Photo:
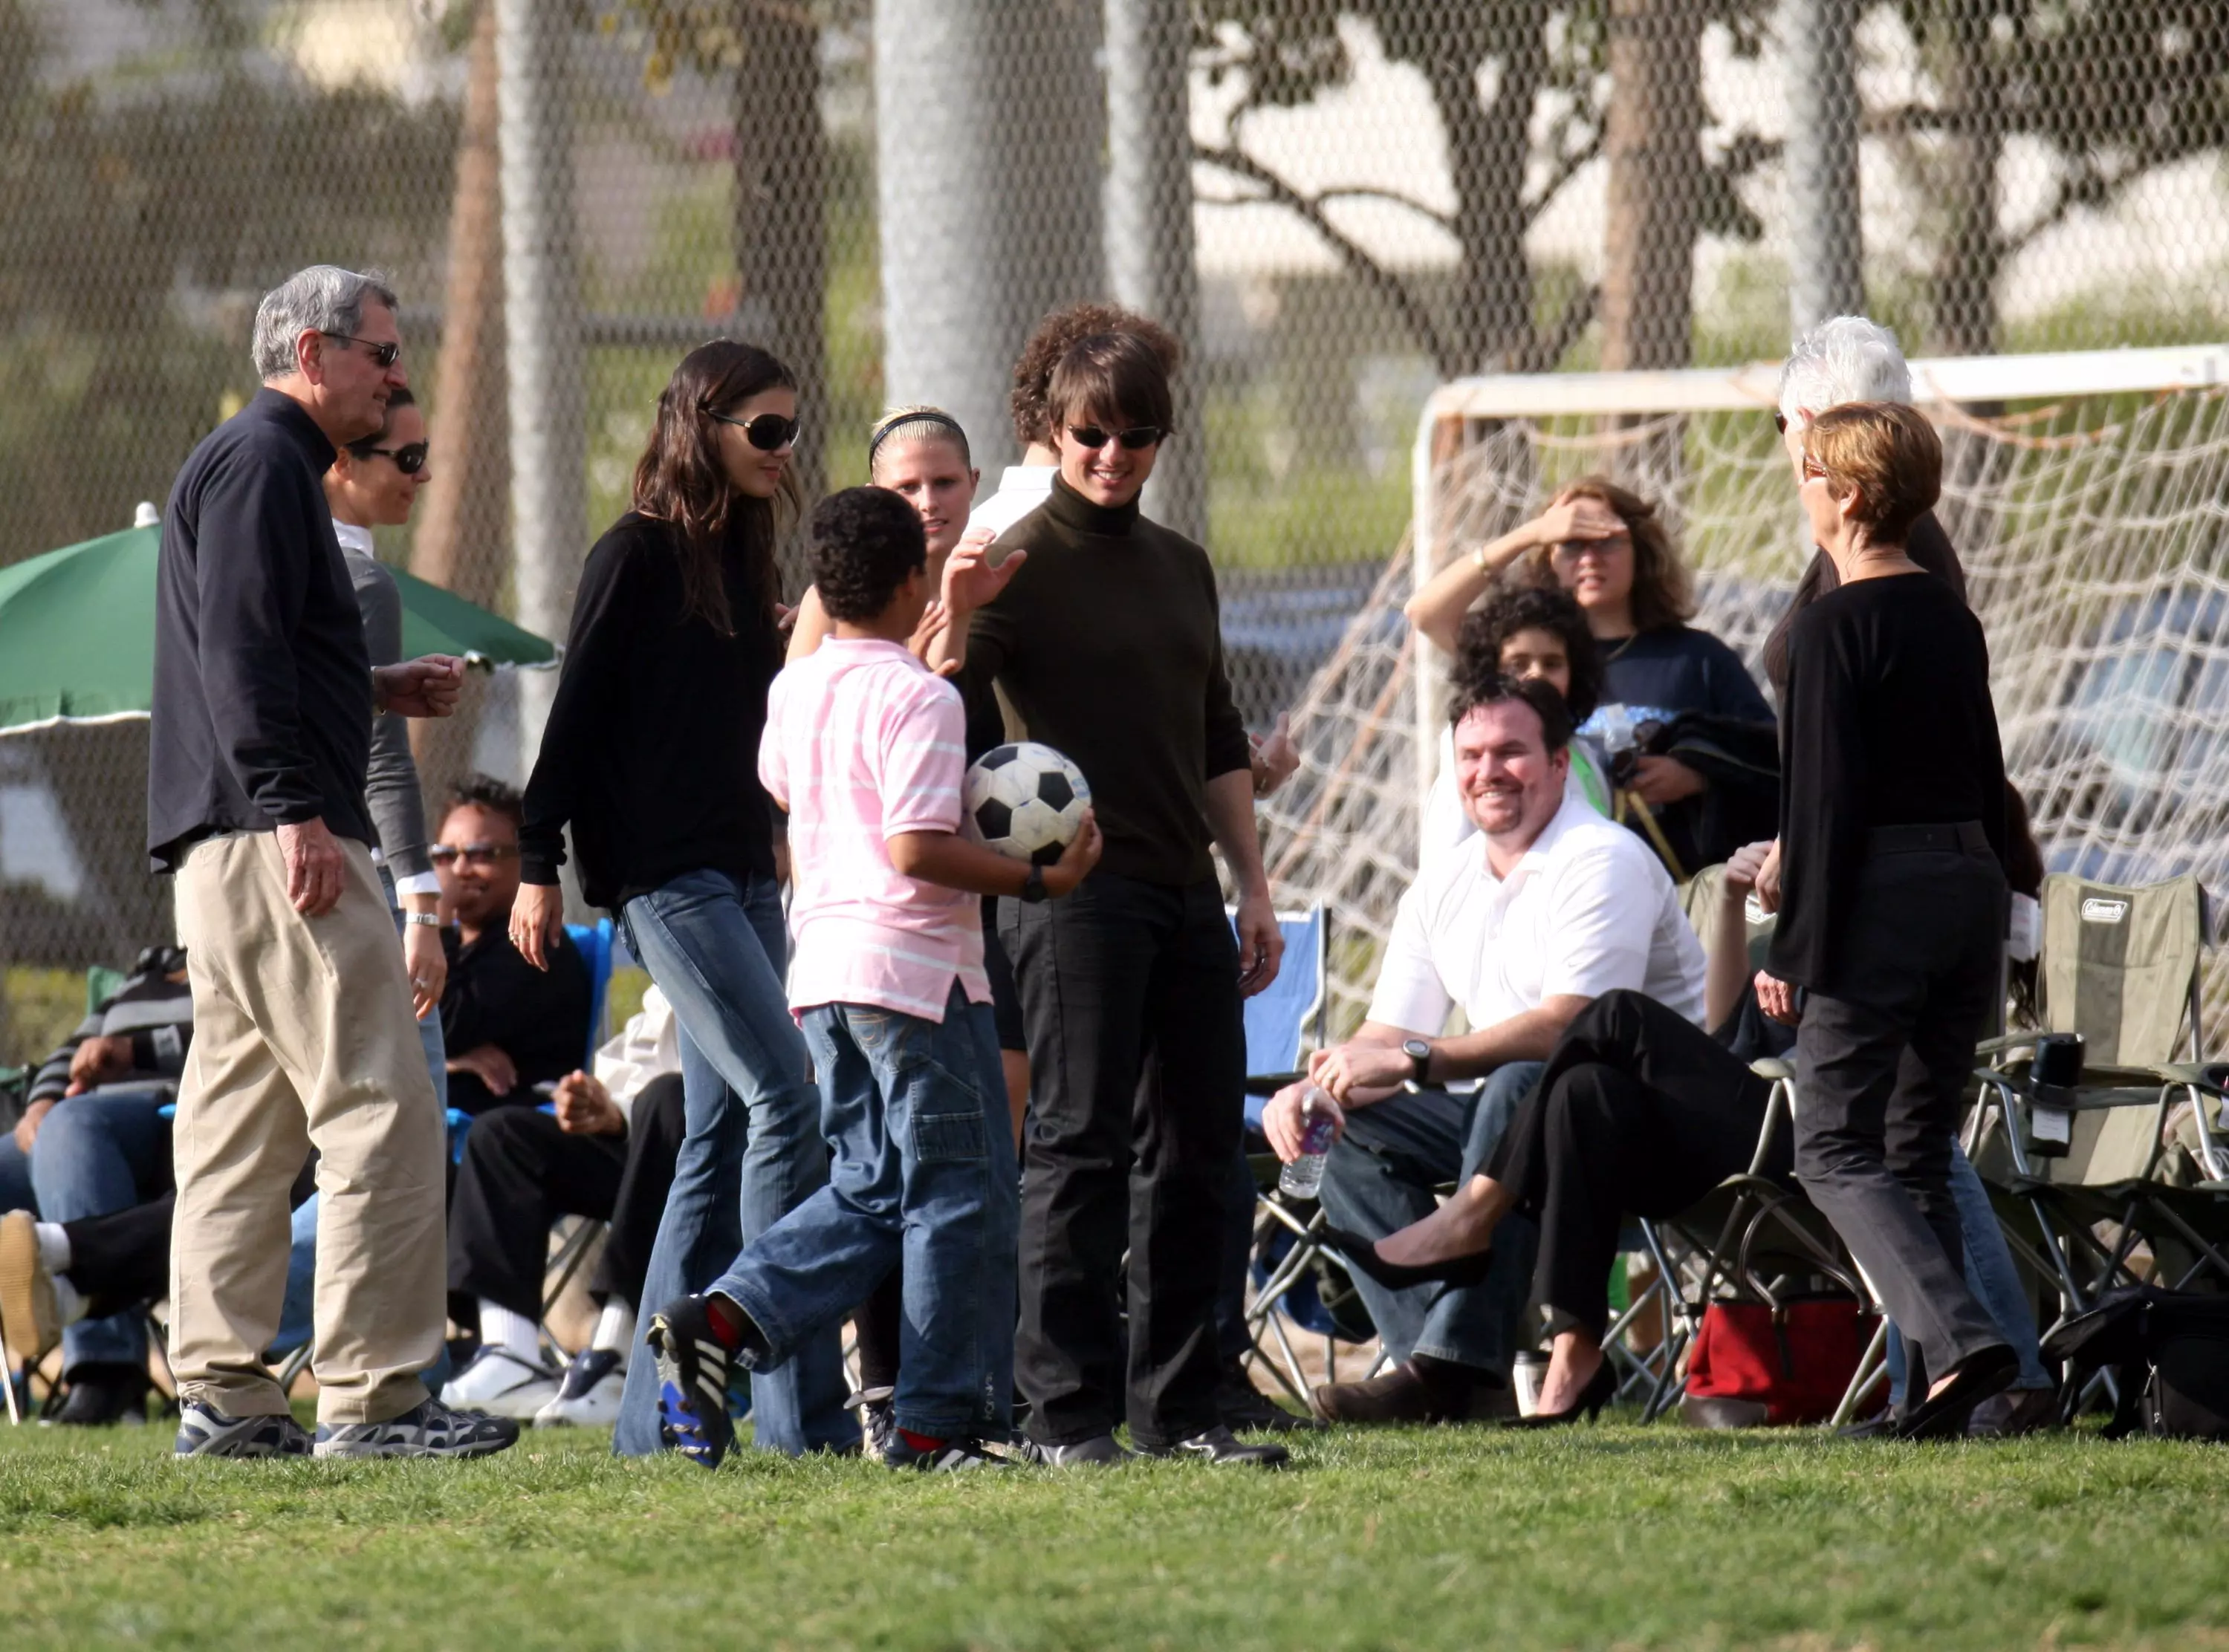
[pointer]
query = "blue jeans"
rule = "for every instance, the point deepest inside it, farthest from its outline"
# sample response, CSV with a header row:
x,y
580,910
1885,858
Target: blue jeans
x,y
96,1154
15,1191
1379,1178
753,1153
924,1171
1990,1276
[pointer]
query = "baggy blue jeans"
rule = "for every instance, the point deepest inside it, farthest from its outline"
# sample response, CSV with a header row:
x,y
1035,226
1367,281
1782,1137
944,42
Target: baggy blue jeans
x,y
924,1170
98,1153
753,1153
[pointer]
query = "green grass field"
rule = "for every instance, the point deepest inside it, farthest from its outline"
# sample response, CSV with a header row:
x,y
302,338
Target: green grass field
x,y
1615,1537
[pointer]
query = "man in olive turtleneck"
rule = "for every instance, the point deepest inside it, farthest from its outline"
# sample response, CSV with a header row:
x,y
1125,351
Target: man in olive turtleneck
x,y
1106,643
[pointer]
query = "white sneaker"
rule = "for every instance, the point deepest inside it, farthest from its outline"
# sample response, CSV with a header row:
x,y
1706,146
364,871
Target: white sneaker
x,y
589,1396
500,1384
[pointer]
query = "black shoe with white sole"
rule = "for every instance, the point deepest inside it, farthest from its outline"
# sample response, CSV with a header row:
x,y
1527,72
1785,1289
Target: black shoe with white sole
x,y
694,1365
204,1431
428,1429
1220,1446
1099,1452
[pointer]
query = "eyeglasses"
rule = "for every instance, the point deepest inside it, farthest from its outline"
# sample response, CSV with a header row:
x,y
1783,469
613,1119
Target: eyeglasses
x,y
1137,437
482,855
769,433
1780,421
409,458
384,355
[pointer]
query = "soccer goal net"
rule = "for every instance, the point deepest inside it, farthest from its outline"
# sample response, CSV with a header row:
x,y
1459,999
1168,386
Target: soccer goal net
x,y
2087,494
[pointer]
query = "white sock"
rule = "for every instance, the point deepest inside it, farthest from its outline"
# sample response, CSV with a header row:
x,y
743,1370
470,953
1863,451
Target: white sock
x,y
53,1247
71,1305
513,1333
616,1330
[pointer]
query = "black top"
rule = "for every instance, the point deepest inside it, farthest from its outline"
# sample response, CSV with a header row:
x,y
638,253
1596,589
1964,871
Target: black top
x,y
1889,723
651,750
494,996
1108,644
262,710
151,1009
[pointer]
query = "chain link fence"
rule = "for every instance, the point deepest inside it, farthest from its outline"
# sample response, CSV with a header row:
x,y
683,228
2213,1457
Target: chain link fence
x,y
1337,206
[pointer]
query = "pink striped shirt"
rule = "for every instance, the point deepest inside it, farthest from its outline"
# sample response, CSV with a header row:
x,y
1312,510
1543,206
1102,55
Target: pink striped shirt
x,y
864,742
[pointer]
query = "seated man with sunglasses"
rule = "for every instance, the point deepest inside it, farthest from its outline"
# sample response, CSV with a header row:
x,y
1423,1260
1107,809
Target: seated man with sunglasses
x,y
509,1027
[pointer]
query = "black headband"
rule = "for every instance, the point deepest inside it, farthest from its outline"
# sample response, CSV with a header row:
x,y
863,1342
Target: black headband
x,y
926,416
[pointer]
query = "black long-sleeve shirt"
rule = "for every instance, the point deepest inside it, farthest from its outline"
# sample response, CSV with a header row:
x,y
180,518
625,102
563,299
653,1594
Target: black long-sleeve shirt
x,y
1888,722
263,700
1108,642
650,753
539,1018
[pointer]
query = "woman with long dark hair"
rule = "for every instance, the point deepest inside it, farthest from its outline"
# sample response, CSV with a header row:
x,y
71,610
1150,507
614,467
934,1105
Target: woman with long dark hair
x,y
650,757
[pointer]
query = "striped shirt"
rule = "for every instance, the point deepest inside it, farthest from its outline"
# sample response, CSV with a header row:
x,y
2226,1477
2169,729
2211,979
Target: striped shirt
x,y
863,742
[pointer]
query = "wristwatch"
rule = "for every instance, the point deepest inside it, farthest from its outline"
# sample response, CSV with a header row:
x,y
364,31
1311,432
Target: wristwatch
x,y
1419,1051
431,919
1033,887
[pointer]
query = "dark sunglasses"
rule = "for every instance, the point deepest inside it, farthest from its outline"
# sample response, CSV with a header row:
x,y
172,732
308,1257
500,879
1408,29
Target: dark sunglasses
x,y
769,433
1132,439
476,854
384,355
409,458
1780,422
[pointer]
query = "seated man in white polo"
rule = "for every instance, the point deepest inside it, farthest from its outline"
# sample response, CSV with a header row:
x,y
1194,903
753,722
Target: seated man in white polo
x,y
1548,907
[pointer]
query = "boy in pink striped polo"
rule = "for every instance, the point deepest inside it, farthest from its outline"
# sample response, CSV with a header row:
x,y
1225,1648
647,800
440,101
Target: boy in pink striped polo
x,y
864,747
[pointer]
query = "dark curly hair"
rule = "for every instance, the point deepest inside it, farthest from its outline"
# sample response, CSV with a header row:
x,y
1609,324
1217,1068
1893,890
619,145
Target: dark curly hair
x,y
1493,689
1487,630
485,792
1061,332
866,542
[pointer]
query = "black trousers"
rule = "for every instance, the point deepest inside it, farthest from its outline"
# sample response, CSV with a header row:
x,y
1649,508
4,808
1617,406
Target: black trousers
x,y
521,1173
1882,1060
1137,1070
122,1260
1639,1113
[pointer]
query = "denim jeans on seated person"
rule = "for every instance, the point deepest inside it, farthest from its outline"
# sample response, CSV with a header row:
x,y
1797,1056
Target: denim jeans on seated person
x,y
1990,1275
924,1172
716,946
15,1191
96,1154
1380,1177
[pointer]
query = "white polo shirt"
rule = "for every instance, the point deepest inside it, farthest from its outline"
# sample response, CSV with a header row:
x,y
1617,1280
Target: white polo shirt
x,y
1022,488
1587,910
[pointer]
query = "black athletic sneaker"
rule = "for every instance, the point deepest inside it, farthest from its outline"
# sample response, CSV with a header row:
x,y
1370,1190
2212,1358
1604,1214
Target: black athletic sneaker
x,y
693,1368
954,1456
204,1431
428,1429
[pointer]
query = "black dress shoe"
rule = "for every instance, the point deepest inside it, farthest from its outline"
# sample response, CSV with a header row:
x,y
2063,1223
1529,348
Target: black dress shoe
x,y
1247,1410
1358,1251
101,1395
1220,1446
1943,1414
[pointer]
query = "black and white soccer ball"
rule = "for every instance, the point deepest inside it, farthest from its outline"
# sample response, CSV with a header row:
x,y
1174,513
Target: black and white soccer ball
x,y
1026,801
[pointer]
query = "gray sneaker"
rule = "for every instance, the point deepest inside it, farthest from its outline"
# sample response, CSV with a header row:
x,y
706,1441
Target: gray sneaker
x,y
204,1433
429,1428
1100,1452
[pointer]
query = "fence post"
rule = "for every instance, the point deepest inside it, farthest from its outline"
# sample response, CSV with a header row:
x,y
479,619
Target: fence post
x,y
1825,274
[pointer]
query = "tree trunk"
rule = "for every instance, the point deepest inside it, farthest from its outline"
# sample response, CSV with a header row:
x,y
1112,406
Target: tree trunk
x,y
464,520
1489,148
1653,140
780,219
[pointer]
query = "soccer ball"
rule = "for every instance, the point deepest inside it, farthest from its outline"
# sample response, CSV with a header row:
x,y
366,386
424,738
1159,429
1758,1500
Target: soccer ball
x,y
1026,801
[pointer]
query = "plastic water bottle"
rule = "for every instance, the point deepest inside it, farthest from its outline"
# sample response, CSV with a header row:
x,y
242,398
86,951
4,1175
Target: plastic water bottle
x,y
1320,1121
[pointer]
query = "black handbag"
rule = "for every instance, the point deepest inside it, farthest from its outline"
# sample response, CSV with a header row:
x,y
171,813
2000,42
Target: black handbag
x,y
2168,1352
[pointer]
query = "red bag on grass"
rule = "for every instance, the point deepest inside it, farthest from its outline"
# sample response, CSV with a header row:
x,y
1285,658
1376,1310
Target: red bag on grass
x,y
1755,1367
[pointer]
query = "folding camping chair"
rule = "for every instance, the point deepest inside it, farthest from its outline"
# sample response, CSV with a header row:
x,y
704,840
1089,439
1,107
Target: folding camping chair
x,y
1290,1261
2080,1169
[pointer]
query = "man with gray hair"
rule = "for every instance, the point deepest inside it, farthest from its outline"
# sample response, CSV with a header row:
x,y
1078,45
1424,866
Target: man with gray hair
x,y
264,697
1847,358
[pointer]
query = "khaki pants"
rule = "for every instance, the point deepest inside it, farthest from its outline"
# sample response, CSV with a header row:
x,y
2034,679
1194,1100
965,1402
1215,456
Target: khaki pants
x,y
302,1034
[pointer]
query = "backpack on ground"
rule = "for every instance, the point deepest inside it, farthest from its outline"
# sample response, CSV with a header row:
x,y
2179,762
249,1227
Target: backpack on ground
x,y
2168,1353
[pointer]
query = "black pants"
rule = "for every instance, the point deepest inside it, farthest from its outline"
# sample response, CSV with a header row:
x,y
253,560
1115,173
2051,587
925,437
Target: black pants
x,y
1882,1060
1640,1113
1137,1069
521,1173
122,1260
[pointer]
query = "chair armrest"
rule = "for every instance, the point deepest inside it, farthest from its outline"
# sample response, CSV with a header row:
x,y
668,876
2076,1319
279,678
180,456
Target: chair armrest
x,y
1773,1067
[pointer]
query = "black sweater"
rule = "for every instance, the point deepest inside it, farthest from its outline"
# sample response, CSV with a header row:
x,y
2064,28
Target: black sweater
x,y
651,750
539,1018
1888,722
262,710
1108,644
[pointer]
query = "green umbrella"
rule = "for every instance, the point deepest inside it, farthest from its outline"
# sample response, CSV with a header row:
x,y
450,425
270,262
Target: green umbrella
x,y
77,632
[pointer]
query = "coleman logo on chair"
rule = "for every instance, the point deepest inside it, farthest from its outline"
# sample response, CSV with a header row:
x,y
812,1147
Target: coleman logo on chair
x,y
2099,909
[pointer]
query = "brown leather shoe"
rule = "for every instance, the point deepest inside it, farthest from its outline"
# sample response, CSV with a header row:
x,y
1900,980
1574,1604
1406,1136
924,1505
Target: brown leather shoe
x,y
1399,1396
